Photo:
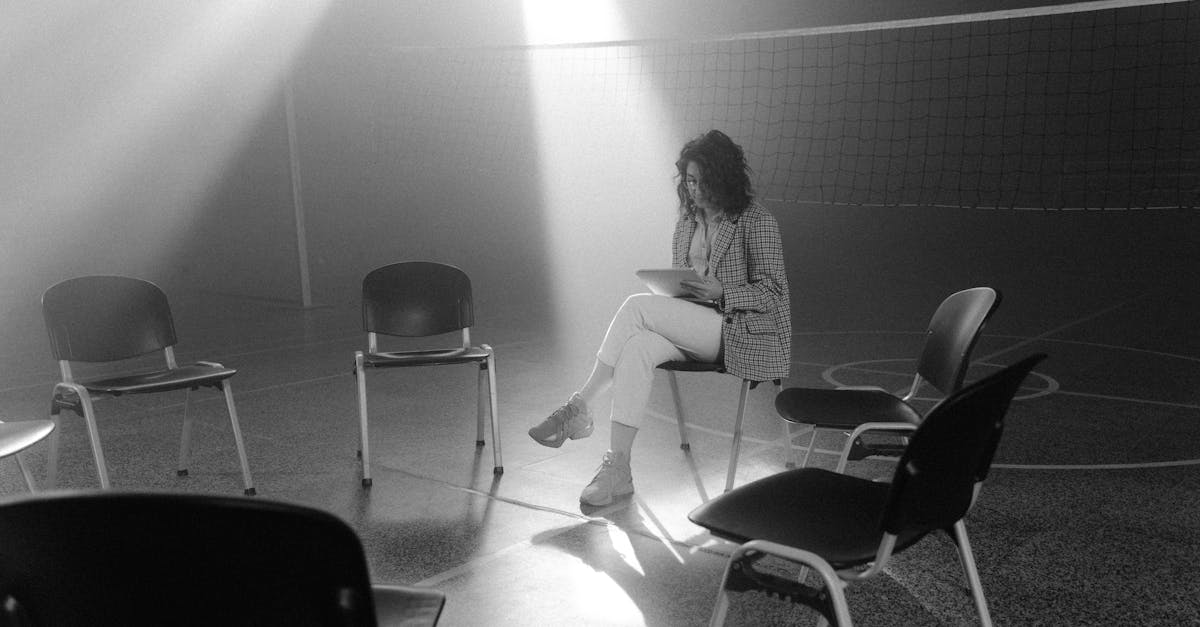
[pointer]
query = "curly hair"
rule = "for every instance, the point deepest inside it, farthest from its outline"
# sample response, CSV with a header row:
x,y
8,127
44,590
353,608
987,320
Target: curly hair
x,y
726,175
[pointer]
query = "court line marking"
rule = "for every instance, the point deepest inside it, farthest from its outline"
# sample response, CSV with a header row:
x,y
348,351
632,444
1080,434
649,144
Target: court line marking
x,y
1118,347
1052,385
597,519
856,27
1143,401
1063,327
1130,466
938,20
763,445
1131,349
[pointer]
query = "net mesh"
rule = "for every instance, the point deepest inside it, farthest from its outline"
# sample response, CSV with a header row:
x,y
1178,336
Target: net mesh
x,y
1092,109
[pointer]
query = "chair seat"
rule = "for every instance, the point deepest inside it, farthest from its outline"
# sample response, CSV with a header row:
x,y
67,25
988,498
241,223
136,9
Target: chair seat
x,y
842,409
405,606
425,358
18,436
833,515
692,366
188,376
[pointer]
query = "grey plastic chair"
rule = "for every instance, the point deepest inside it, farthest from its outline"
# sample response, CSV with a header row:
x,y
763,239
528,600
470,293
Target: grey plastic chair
x,y
672,367
114,558
113,318
18,436
847,528
949,339
418,299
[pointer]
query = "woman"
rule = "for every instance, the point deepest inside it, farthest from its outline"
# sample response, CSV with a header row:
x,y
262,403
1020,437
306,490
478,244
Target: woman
x,y
738,314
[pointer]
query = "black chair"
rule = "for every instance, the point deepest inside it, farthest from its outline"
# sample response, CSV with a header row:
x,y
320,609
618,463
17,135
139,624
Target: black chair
x,y
110,319
945,357
18,436
671,367
419,299
846,528
112,558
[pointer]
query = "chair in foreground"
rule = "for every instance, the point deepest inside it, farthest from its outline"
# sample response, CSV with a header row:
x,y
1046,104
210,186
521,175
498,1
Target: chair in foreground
x,y
694,366
845,528
418,299
949,340
113,558
18,436
113,318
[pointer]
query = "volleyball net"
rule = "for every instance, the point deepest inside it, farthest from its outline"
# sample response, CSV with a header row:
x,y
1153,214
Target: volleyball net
x,y
1075,110
1084,109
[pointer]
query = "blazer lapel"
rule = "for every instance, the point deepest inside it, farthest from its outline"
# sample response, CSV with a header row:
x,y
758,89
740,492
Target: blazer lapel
x,y
683,243
721,243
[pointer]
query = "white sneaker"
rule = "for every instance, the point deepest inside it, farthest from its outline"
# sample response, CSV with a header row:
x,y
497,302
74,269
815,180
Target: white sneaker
x,y
613,479
571,421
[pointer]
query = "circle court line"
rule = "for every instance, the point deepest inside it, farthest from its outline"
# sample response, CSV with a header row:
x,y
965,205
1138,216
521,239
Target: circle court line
x,y
1130,466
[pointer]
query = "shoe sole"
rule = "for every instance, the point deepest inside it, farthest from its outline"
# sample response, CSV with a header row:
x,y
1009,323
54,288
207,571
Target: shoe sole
x,y
549,443
611,499
570,436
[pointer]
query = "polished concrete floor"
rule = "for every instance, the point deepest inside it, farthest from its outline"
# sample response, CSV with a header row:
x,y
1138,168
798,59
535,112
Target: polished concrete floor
x,y
1090,517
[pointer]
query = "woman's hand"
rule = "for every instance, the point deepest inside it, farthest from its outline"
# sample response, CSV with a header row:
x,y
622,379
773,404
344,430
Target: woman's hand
x,y
706,289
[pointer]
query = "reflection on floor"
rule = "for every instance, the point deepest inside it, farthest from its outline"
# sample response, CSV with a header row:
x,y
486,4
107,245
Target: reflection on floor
x,y
1091,516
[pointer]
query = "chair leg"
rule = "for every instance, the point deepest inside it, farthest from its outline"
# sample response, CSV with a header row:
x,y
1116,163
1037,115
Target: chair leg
x,y
52,456
481,403
787,445
237,438
683,439
968,561
496,454
89,415
29,483
812,443
185,436
829,600
720,609
737,435
789,450
364,450
836,588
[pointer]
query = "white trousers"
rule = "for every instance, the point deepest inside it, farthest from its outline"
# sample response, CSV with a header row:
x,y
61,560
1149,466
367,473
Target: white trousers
x,y
646,331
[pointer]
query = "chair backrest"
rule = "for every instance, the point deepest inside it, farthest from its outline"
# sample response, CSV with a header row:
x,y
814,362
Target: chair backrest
x,y
106,318
416,299
104,558
950,453
952,334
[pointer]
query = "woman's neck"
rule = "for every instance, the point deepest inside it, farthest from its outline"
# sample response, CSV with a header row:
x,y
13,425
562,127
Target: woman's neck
x,y
710,214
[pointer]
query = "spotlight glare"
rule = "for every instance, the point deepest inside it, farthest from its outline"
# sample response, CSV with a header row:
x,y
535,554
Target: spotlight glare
x,y
550,22
606,162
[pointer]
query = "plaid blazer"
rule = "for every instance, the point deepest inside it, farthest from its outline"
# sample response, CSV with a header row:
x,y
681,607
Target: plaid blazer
x,y
747,258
